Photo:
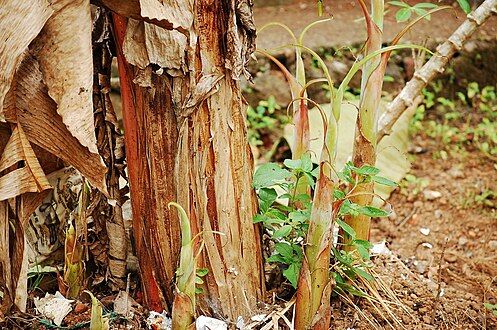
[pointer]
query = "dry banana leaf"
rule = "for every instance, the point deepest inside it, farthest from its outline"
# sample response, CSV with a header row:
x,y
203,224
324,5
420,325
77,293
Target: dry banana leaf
x,y
20,23
37,114
64,50
28,177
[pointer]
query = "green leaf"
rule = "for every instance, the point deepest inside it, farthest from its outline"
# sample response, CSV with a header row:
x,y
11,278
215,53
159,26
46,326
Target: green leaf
x,y
261,218
302,197
285,250
267,175
299,215
464,5
294,164
420,12
292,274
338,194
306,162
202,272
199,290
384,181
348,208
403,15
315,172
310,179
267,196
363,243
363,252
373,212
284,231
399,3
277,258
425,5
366,170
490,306
276,214
198,280
346,228
363,274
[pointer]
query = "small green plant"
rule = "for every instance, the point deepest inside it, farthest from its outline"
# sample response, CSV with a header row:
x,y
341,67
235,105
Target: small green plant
x,y
263,118
37,273
405,12
285,214
412,184
492,308
468,121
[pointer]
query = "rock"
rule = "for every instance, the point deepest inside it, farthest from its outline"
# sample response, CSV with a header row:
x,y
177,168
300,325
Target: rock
x,y
438,214
81,308
424,231
456,173
449,257
492,244
431,195
421,266
208,323
462,241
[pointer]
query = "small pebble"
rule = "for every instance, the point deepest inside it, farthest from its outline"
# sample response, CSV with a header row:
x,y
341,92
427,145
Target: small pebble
x,y
418,204
462,241
449,257
492,244
456,174
438,214
81,308
431,195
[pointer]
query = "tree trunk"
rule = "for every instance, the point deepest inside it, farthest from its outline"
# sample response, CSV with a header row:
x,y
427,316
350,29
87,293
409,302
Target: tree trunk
x,y
186,142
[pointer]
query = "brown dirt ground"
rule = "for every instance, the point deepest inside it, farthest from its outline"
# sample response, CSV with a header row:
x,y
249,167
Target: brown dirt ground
x,y
440,279
456,260
346,28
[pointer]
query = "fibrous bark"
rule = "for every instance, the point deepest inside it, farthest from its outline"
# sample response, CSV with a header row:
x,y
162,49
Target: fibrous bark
x,y
186,142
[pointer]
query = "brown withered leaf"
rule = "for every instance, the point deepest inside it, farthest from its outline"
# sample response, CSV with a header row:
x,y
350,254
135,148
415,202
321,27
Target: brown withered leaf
x,y
20,23
170,15
179,13
64,50
37,114
13,260
146,43
29,177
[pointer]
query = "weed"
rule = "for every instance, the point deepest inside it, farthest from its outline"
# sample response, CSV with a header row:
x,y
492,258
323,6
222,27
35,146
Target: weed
x,y
492,308
263,118
412,184
466,122
285,214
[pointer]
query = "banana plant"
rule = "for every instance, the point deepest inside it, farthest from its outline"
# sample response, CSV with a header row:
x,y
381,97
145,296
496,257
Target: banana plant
x,y
183,312
97,321
365,141
312,307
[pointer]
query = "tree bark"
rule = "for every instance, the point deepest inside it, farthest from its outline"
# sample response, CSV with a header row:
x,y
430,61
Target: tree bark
x,y
186,142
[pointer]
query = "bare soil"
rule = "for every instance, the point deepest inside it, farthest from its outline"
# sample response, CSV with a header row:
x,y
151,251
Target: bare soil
x,y
346,26
443,265
444,251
